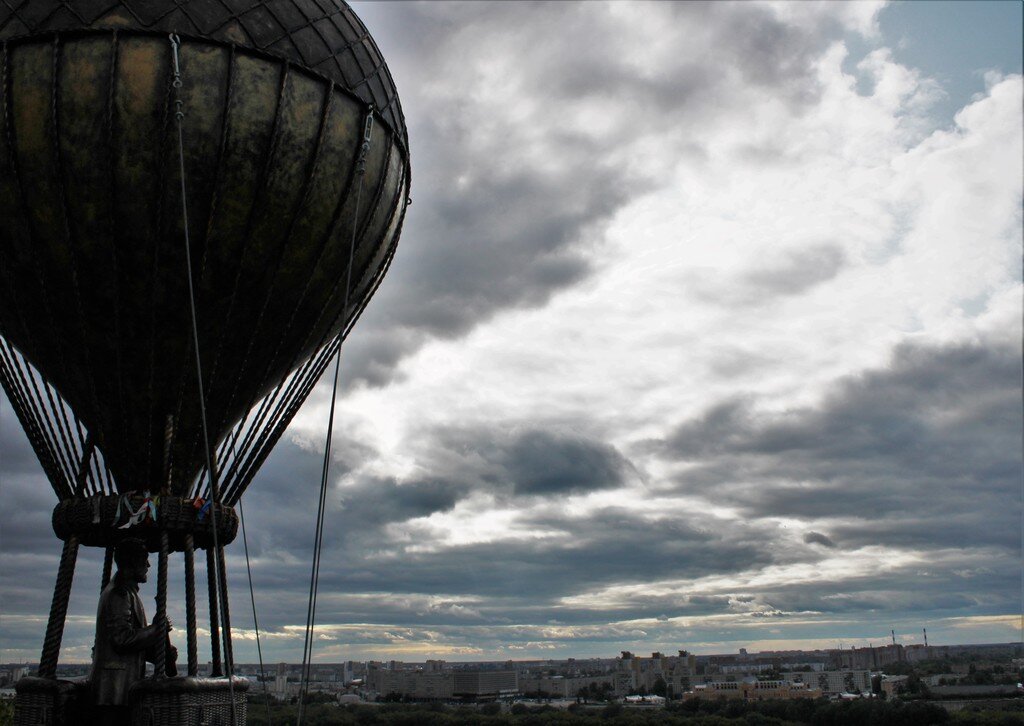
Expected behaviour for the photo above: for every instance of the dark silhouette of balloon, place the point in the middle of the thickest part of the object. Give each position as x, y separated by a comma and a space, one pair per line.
93, 288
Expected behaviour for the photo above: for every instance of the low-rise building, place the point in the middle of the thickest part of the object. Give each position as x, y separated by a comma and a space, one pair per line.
832, 683
891, 685
416, 685
751, 689
563, 686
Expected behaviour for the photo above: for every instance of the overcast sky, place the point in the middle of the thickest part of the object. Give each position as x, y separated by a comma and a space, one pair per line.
704, 332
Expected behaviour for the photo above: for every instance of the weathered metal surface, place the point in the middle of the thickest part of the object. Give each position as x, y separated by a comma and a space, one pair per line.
322, 35
92, 283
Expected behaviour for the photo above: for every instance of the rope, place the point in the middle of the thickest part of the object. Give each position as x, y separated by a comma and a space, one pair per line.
83, 468
190, 606
58, 609
314, 577
62, 476
160, 649
179, 116
211, 583
225, 612
255, 620
30, 419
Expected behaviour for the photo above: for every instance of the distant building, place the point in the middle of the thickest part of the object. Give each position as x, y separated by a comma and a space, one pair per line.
434, 683
832, 683
563, 686
891, 685
870, 658
808, 666
644, 701
751, 689
637, 674
746, 668
348, 673
281, 680
486, 683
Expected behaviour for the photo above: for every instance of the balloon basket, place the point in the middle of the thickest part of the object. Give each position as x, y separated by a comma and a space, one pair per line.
49, 702
187, 701
104, 520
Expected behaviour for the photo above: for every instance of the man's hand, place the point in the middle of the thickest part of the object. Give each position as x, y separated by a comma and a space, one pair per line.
172, 661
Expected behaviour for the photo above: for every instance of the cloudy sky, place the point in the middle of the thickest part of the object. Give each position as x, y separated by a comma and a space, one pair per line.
704, 332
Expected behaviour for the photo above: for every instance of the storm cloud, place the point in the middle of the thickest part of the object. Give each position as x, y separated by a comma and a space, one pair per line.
927, 448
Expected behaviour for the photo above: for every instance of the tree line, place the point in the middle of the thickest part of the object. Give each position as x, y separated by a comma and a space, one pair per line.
699, 712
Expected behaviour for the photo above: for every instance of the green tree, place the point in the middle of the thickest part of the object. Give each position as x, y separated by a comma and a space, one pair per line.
612, 710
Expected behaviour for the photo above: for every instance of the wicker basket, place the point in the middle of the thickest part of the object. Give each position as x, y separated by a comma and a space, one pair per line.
187, 702
49, 702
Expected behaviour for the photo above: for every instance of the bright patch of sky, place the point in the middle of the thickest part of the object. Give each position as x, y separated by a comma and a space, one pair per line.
954, 42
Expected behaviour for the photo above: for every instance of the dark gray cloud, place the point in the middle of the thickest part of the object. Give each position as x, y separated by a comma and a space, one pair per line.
775, 275
513, 461
418, 583
796, 272
376, 501
925, 451
541, 464
509, 464
526, 578
819, 538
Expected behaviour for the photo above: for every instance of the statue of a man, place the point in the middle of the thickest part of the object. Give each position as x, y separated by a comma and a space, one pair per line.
124, 642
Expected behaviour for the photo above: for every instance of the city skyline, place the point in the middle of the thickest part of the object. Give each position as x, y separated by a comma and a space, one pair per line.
704, 332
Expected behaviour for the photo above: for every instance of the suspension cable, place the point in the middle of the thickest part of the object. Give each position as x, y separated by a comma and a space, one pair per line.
255, 620
314, 577
179, 116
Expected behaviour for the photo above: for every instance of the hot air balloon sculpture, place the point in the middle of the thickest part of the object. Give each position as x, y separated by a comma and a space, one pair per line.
189, 191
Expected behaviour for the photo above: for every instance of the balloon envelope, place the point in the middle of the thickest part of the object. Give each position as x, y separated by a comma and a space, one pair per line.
93, 284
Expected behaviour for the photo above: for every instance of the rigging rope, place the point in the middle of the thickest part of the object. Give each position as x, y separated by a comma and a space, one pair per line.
179, 116
314, 578
255, 620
